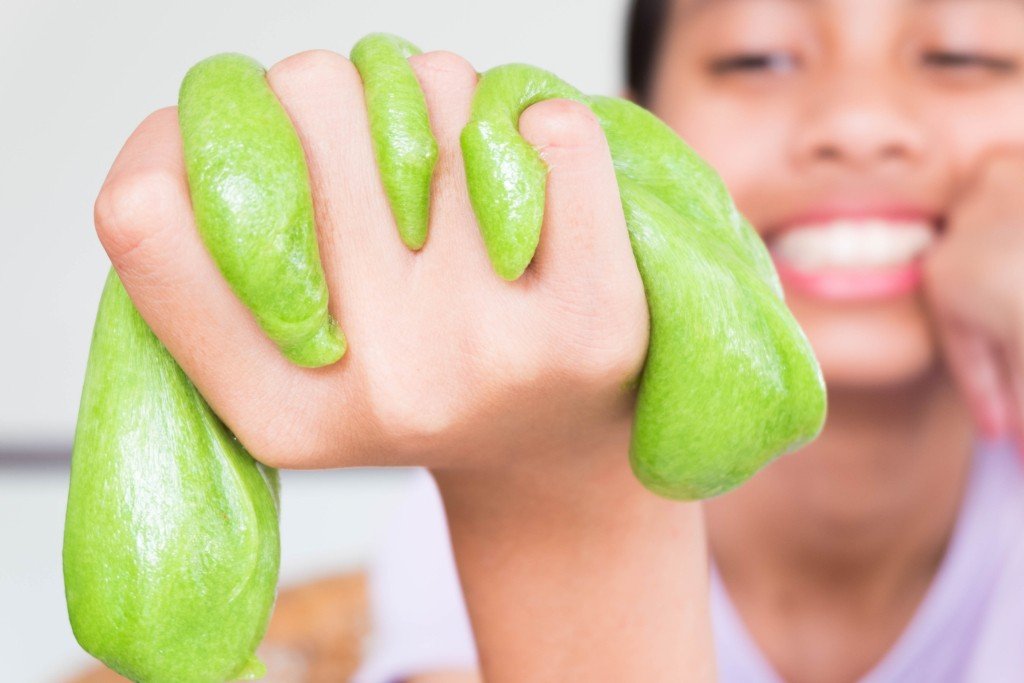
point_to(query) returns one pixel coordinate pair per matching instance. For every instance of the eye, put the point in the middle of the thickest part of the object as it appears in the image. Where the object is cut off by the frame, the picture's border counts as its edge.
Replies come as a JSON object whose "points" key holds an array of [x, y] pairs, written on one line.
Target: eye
{"points": [[754, 62], [965, 61]]}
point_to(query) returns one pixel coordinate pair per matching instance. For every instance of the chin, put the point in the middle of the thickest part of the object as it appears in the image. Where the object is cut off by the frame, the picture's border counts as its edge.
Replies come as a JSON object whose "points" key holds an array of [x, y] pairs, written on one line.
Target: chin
{"points": [[878, 345], [852, 271]]}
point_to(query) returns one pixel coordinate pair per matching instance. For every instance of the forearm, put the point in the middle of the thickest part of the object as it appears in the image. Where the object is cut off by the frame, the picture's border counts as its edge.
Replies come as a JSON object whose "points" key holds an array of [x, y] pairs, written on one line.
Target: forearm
{"points": [[587, 580]]}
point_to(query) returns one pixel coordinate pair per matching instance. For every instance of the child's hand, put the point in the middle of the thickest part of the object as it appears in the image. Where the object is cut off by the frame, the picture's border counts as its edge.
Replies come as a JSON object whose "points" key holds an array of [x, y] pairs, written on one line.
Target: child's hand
{"points": [[516, 395], [975, 282], [448, 365]]}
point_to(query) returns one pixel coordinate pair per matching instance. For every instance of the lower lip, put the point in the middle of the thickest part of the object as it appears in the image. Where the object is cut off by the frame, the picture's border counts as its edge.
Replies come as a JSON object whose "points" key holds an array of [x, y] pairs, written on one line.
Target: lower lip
{"points": [[851, 285]]}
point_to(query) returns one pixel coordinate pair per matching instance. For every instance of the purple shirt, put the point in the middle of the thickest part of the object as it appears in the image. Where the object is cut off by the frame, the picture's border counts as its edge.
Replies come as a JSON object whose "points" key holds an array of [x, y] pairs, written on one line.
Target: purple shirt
{"points": [[969, 627]]}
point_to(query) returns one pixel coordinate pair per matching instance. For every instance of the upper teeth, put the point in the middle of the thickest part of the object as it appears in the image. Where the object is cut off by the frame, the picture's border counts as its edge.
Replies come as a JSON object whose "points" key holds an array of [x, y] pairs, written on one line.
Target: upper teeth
{"points": [[854, 244]]}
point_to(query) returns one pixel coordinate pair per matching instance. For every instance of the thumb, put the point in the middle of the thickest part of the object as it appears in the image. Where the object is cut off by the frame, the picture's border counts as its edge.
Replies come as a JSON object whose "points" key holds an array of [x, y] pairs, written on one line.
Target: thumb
{"points": [[584, 234]]}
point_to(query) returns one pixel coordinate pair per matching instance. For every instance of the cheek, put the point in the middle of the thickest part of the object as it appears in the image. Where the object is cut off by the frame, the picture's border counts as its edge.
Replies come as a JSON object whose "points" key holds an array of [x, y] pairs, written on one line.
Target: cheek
{"points": [[975, 126], [742, 143]]}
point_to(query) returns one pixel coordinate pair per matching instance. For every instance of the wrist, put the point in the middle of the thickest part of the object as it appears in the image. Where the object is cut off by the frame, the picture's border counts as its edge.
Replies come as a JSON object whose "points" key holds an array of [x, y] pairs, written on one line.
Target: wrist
{"points": [[578, 573]]}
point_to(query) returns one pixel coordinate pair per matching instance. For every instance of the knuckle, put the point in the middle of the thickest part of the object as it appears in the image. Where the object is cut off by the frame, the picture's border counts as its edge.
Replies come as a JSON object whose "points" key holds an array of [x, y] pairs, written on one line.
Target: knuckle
{"points": [[1003, 161], [270, 452], [561, 123], [132, 211], [413, 419], [600, 339], [285, 439], [447, 82], [601, 360], [999, 172], [511, 348], [315, 66], [443, 67]]}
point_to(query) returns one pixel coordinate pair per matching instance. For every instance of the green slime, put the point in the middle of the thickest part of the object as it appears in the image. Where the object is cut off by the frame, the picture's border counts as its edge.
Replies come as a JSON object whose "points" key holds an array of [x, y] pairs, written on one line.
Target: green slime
{"points": [[171, 545]]}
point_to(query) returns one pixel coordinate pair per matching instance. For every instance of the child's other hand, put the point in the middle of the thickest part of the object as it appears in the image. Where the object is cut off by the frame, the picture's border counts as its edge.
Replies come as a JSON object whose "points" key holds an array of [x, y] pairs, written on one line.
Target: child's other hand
{"points": [[975, 284]]}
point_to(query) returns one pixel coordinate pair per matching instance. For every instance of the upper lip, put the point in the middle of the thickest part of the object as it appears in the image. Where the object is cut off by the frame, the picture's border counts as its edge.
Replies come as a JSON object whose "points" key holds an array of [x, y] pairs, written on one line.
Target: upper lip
{"points": [[852, 210]]}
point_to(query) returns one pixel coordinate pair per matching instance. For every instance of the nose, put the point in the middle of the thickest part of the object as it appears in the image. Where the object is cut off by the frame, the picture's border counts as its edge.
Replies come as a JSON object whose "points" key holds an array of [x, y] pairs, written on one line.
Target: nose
{"points": [[862, 122]]}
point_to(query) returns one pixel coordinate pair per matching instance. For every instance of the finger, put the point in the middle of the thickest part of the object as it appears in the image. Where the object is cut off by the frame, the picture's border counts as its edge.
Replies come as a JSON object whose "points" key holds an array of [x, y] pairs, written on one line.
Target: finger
{"points": [[144, 220], [359, 243], [505, 175], [250, 194], [976, 368], [1014, 366], [584, 234], [404, 146], [447, 81], [998, 170]]}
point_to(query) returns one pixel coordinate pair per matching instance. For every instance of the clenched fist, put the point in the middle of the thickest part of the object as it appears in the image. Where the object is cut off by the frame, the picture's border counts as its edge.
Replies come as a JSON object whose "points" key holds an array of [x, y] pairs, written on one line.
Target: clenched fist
{"points": [[448, 365]]}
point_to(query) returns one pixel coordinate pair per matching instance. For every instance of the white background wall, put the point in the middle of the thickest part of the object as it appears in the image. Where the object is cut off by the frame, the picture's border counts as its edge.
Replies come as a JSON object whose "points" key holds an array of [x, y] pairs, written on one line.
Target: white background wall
{"points": [[77, 77]]}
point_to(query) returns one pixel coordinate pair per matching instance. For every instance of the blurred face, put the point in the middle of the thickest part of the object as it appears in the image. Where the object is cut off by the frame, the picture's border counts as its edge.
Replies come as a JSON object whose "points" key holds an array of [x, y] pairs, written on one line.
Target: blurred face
{"points": [[845, 130]]}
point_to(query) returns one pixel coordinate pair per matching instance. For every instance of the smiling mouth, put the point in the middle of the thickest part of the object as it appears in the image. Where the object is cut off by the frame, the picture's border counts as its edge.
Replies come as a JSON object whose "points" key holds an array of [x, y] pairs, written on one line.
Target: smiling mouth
{"points": [[853, 258]]}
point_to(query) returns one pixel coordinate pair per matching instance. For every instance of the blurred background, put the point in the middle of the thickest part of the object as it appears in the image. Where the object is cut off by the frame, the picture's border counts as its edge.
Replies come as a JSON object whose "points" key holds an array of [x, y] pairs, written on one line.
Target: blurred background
{"points": [[77, 78]]}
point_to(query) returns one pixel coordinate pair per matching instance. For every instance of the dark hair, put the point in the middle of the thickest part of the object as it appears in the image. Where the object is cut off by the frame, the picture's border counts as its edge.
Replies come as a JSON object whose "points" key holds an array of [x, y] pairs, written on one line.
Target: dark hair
{"points": [[645, 29]]}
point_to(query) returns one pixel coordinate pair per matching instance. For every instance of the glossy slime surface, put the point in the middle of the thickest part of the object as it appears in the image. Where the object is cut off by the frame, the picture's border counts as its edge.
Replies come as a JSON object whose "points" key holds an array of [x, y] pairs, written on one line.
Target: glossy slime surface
{"points": [[171, 541], [171, 545], [400, 127], [254, 210]]}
